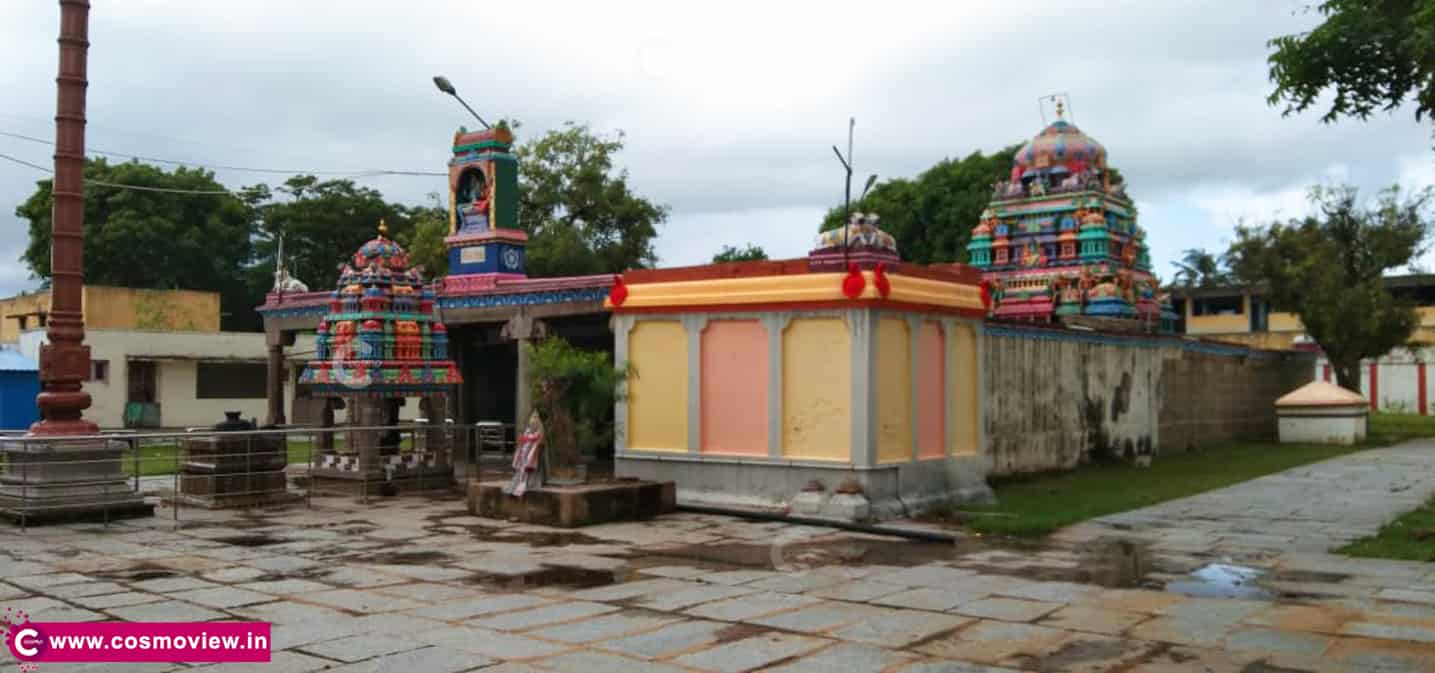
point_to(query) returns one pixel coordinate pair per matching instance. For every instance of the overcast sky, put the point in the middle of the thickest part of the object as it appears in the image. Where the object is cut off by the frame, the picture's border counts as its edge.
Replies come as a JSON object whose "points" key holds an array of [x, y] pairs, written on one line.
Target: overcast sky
{"points": [[729, 108]]}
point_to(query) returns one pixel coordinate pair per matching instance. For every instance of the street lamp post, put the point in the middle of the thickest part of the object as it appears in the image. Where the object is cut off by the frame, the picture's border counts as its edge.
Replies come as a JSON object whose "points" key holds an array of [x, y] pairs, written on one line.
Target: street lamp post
{"points": [[447, 87]]}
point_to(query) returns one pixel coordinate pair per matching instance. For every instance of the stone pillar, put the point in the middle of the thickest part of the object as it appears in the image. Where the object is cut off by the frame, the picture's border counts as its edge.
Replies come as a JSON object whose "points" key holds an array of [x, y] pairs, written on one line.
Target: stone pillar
{"points": [[366, 412], [524, 329], [274, 385], [325, 442]]}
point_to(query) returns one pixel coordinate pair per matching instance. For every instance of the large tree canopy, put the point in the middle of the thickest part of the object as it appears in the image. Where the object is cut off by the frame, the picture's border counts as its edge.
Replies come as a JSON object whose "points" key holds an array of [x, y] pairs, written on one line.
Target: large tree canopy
{"points": [[580, 214], [1368, 55], [323, 222], [156, 239], [1329, 269], [932, 215]]}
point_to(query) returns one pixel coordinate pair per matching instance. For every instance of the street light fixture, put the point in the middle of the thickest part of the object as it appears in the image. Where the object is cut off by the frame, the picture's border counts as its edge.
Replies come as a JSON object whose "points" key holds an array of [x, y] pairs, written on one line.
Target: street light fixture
{"points": [[447, 87]]}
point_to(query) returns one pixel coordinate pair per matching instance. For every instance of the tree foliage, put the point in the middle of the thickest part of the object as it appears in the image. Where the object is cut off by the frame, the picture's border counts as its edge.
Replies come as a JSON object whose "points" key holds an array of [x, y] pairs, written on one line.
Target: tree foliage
{"points": [[1329, 269], [1368, 54], [156, 239], [574, 391], [750, 253], [1199, 268], [424, 240], [932, 215], [323, 222], [578, 209]]}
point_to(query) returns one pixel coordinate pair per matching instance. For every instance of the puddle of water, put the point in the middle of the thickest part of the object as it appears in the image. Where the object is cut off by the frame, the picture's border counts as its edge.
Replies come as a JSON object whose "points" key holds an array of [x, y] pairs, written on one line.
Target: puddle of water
{"points": [[530, 538], [1108, 563], [843, 551], [139, 573], [405, 558], [1221, 580], [550, 576], [259, 540]]}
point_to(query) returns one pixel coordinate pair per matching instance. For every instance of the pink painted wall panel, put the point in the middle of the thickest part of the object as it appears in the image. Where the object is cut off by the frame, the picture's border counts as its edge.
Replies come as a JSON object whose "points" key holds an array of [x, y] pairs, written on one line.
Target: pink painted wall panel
{"points": [[734, 387], [932, 391]]}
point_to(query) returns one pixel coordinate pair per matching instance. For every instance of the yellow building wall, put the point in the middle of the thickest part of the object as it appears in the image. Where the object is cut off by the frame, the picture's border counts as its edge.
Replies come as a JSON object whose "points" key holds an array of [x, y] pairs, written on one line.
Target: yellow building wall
{"points": [[107, 307], [965, 432], [128, 308], [658, 392], [894, 391], [18, 305], [816, 389]]}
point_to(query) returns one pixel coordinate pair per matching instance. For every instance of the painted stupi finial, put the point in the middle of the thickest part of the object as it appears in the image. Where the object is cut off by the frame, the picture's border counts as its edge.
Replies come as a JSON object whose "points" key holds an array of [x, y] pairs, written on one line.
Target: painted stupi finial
{"points": [[1060, 108], [383, 228]]}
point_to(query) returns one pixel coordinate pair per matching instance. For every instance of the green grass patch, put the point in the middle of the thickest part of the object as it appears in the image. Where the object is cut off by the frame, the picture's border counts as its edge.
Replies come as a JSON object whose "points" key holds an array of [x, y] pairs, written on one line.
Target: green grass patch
{"points": [[1040, 504], [158, 459], [1399, 427], [1408, 538]]}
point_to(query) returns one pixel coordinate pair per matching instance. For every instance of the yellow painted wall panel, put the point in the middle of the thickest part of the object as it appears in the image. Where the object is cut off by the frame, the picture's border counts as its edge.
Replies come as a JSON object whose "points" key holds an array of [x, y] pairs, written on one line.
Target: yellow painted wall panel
{"points": [[658, 394], [817, 389], [894, 391], [965, 432]]}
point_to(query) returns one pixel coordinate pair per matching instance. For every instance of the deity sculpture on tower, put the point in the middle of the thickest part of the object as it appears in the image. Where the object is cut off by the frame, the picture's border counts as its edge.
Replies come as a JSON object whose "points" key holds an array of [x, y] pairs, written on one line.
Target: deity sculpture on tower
{"points": [[484, 241]]}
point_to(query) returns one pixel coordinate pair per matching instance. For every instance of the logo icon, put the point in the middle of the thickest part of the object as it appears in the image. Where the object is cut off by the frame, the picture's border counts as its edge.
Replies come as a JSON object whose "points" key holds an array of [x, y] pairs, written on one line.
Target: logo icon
{"points": [[24, 638]]}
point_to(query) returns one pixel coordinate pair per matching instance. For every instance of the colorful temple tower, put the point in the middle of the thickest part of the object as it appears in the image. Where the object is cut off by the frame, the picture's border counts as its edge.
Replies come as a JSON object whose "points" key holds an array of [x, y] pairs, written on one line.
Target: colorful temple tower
{"points": [[484, 242], [1060, 242], [379, 343]]}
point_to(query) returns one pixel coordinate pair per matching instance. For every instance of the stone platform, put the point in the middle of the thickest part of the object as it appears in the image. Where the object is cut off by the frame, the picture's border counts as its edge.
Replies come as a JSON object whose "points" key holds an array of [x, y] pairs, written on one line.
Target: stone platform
{"points": [[574, 506], [61, 481]]}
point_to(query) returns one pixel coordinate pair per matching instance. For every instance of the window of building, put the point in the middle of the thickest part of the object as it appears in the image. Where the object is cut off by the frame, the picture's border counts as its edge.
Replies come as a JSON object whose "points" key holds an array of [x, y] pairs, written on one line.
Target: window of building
{"points": [[99, 371], [1068, 250], [1217, 306], [1001, 255], [230, 381]]}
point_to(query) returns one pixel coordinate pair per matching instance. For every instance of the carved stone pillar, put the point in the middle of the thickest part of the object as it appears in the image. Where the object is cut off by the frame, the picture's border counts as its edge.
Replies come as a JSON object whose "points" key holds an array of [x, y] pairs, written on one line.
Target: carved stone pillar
{"points": [[524, 329]]}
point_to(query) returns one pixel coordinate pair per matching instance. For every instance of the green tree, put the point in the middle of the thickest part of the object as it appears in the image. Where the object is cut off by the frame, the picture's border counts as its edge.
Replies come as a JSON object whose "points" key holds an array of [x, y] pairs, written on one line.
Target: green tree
{"points": [[1201, 268], [1369, 54], [751, 253], [424, 242], [1329, 268], [323, 222], [578, 209], [932, 215], [144, 238], [574, 391]]}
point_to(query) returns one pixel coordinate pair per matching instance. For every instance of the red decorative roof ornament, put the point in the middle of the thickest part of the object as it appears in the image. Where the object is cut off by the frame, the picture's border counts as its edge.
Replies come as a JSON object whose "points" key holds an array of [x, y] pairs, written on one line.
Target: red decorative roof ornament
{"points": [[619, 292], [879, 278], [853, 283]]}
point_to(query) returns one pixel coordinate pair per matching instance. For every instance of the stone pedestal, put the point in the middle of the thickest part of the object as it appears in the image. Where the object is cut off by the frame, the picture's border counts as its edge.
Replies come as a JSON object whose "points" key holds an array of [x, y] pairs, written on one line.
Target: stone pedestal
{"points": [[61, 480], [574, 506], [235, 471]]}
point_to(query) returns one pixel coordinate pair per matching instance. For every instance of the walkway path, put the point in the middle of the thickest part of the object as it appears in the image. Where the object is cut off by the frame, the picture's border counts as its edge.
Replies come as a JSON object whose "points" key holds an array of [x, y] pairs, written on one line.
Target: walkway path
{"points": [[419, 584], [1290, 522]]}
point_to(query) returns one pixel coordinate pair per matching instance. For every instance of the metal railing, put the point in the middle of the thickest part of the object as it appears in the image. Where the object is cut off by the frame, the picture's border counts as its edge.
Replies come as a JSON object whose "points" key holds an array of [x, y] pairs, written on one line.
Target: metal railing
{"points": [[122, 473]]}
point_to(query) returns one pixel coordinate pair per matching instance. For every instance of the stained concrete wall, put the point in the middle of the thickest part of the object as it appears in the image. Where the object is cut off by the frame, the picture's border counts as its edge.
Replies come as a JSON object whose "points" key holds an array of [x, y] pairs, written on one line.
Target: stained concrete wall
{"points": [[1058, 398]]}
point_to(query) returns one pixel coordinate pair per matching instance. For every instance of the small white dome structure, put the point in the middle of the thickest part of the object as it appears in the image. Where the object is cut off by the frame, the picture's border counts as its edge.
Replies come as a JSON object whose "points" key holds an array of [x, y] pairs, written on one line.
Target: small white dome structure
{"points": [[1322, 413]]}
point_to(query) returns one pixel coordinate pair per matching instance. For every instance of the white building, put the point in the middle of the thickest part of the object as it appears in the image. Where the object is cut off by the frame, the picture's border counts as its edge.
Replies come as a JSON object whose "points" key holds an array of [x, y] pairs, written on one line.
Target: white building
{"points": [[176, 379]]}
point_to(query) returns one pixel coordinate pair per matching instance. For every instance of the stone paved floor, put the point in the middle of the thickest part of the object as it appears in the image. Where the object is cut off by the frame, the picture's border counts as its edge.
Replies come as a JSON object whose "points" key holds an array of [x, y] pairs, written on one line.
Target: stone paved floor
{"points": [[417, 584]]}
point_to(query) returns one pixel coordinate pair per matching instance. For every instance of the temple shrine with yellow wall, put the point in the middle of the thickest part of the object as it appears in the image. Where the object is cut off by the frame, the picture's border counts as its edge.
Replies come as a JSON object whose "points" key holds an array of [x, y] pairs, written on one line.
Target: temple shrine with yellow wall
{"points": [[795, 383]]}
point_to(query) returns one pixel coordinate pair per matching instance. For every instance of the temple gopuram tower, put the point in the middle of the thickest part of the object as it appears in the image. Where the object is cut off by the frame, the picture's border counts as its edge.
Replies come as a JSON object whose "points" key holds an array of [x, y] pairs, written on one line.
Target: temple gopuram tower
{"points": [[1059, 241]]}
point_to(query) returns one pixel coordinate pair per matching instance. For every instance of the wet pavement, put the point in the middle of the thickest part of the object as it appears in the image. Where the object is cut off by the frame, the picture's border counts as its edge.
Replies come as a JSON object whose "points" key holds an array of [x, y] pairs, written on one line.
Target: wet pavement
{"points": [[419, 584]]}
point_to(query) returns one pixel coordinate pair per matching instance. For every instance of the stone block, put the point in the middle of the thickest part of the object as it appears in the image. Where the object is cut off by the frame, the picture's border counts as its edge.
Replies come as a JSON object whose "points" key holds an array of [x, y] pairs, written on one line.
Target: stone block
{"points": [[574, 506]]}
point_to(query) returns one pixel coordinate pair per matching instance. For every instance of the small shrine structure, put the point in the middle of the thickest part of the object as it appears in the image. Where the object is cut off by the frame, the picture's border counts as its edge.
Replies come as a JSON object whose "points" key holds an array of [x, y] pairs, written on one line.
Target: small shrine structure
{"points": [[379, 343], [848, 390], [1059, 241]]}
